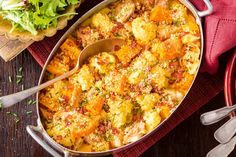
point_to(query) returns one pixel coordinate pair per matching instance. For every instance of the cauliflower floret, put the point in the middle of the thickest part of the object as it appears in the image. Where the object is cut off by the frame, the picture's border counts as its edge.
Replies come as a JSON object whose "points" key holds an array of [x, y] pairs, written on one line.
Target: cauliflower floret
{"points": [[87, 35], [120, 111], [179, 13], [115, 82], [136, 76], [165, 31], [134, 132], [68, 136], [98, 143], [144, 31], [139, 63], [191, 58], [149, 57], [189, 38], [103, 22], [148, 101], [172, 97], [159, 76], [152, 118], [60, 134], [103, 62], [124, 10], [84, 78], [192, 62]]}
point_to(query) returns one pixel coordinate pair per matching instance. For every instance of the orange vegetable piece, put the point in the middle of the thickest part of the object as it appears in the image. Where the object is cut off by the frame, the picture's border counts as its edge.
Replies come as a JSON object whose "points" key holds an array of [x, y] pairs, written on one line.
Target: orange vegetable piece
{"points": [[85, 128], [165, 112], [76, 96], [184, 84], [70, 48], [171, 49], [48, 102], [59, 64], [191, 22], [127, 53], [161, 14], [95, 105]]}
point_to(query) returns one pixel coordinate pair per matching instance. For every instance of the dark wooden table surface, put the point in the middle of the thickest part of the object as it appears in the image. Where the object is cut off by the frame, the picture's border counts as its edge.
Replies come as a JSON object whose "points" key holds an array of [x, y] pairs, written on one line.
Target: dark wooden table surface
{"points": [[189, 139]]}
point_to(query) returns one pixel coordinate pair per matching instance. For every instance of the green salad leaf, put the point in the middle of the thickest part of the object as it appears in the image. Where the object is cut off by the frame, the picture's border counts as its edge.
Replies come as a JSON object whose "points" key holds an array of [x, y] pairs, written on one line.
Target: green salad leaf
{"points": [[34, 15]]}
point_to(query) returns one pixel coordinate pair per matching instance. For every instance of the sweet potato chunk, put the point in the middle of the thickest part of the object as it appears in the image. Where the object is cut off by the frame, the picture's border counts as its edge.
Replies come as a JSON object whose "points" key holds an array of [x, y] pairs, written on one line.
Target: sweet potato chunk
{"points": [[71, 49], [127, 53], [59, 65], [161, 14], [95, 105]]}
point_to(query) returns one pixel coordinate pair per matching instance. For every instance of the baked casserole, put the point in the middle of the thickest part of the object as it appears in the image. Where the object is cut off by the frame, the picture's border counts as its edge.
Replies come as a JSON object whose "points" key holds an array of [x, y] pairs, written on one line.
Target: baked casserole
{"points": [[118, 97]]}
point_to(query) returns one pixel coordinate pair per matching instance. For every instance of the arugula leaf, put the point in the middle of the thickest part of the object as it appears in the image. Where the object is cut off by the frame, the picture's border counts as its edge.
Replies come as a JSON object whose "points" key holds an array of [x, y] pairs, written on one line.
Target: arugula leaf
{"points": [[11, 4], [34, 15], [50, 8], [72, 1], [20, 18]]}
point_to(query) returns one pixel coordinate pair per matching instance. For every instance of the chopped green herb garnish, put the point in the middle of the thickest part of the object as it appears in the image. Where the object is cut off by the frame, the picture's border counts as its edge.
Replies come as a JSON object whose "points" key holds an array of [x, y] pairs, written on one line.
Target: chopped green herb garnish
{"points": [[1, 105], [118, 35], [18, 81], [85, 101], [17, 120], [22, 87], [19, 76], [29, 112], [29, 102], [34, 102], [14, 114], [20, 69], [10, 79], [105, 107]]}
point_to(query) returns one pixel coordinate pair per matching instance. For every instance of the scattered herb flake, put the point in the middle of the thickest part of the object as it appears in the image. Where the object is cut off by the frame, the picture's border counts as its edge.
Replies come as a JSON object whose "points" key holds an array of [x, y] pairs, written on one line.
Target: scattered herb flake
{"points": [[19, 76], [17, 120], [10, 79], [29, 102], [1, 104], [14, 114], [20, 69], [29, 112], [22, 87], [34, 102], [18, 81]]}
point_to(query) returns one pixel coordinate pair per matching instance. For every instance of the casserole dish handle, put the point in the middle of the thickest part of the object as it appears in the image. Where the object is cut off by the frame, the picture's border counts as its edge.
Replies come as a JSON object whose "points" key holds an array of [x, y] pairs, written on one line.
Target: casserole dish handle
{"points": [[205, 12], [32, 130], [229, 81]]}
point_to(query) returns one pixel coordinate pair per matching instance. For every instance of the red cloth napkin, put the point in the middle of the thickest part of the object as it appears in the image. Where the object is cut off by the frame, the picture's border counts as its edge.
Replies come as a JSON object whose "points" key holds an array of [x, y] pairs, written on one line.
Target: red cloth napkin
{"points": [[220, 36], [219, 31]]}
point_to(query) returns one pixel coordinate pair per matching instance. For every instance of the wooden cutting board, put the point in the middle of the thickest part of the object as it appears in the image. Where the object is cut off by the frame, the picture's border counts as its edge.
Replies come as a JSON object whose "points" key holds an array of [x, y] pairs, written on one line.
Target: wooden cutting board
{"points": [[11, 48]]}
